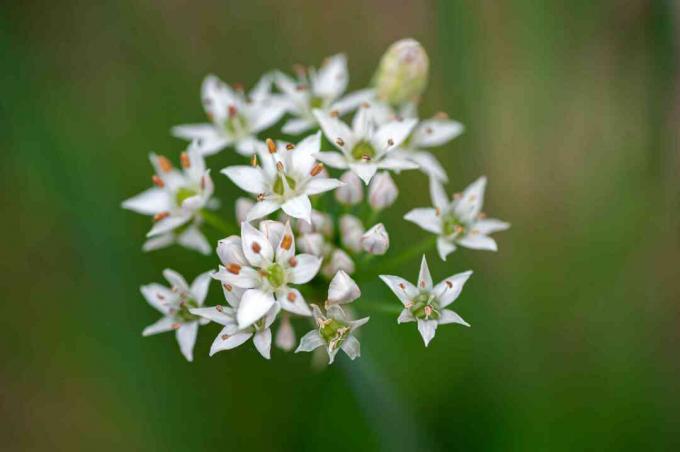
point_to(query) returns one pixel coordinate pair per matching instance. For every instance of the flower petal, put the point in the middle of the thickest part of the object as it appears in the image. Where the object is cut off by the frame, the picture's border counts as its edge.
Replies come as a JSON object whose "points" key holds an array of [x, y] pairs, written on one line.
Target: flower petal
{"points": [[352, 101], [352, 347], [444, 247], [392, 134], [186, 338], [298, 207], [168, 224], [291, 300], [199, 288], [194, 239], [332, 159], [427, 328], [246, 178], [256, 247], [263, 342], [158, 242], [406, 316], [331, 78], [321, 185], [333, 128], [478, 242], [396, 163], [230, 251], [489, 226], [254, 304], [403, 289], [285, 246], [244, 277], [149, 202], [226, 341], [296, 126], [222, 315], [159, 297], [447, 316], [436, 132], [261, 209], [438, 195], [467, 208], [449, 289], [426, 218], [429, 165], [342, 289], [424, 278], [161, 326], [307, 267], [310, 341], [176, 280], [205, 131], [365, 171]]}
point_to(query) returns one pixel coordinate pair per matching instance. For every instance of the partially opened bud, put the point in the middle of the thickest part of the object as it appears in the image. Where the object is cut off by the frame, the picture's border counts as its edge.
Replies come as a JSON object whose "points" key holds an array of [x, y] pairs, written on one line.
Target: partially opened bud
{"points": [[351, 231], [243, 206], [352, 192], [342, 289], [402, 74], [339, 261], [376, 240], [382, 192], [285, 336]]}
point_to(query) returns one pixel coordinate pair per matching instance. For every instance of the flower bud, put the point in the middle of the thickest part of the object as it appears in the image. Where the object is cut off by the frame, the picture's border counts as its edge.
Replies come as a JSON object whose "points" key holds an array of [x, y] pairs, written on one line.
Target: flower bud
{"points": [[243, 206], [376, 240], [321, 222], [313, 243], [382, 192], [351, 231], [342, 289], [285, 336], [352, 192], [339, 261], [402, 74]]}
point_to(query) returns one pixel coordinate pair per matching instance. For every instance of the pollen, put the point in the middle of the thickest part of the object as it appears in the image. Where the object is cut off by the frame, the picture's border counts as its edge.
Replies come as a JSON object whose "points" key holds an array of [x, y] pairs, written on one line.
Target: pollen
{"points": [[234, 269], [175, 326], [232, 111], [157, 181], [365, 105], [271, 145], [225, 337], [184, 158], [422, 284], [428, 310], [290, 146], [161, 215], [366, 158], [449, 284], [402, 286], [287, 241], [239, 86], [253, 161], [260, 197], [164, 163], [334, 113], [227, 287], [293, 261], [219, 308], [316, 169], [292, 296], [340, 142], [256, 248], [437, 211], [390, 142], [457, 196]]}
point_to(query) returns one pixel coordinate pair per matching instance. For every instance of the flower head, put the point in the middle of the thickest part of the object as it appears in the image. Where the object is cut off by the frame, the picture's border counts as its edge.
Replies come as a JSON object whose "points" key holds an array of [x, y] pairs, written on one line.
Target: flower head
{"points": [[235, 118], [263, 263], [176, 200], [287, 177], [425, 303], [318, 89], [459, 221], [176, 303], [335, 329], [366, 147]]}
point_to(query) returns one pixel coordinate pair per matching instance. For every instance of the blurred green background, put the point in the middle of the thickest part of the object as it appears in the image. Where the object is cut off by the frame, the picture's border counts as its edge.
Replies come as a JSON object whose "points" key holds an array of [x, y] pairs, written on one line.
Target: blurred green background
{"points": [[572, 110]]}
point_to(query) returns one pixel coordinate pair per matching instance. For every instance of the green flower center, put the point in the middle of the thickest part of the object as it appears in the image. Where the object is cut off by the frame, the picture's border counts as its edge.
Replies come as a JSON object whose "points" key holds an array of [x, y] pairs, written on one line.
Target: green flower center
{"points": [[279, 188], [183, 194], [452, 225], [362, 150], [334, 332], [183, 313], [316, 102], [425, 307], [276, 275], [236, 125]]}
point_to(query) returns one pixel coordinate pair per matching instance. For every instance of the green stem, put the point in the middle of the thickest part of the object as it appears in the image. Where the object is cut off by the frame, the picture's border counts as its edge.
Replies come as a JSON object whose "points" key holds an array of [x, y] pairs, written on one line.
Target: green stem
{"points": [[372, 218], [217, 223], [381, 308]]}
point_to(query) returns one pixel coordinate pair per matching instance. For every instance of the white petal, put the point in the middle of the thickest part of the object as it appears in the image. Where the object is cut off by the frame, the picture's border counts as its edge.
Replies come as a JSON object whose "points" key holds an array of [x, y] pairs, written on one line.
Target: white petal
{"points": [[230, 251], [478, 242], [263, 342], [467, 208], [216, 97], [302, 159], [361, 124], [159, 297], [273, 230], [285, 336], [444, 247], [426, 218], [199, 288], [429, 165], [307, 267], [403, 289], [394, 132], [161, 326], [365, 171], [436, 132], [285, 245], [332, 159], [262, 89], [438, 195], [297, 126], [176, 280], [331, 79], [186, 338], [261, 209], [449, 289], [352, 101], [167, 224], [352, 347], [342, 289], [226, 341], [256, 247], [310, 341], [489, 226], [247, 146], [194, 239], [424, 278], [212, 146], [204, 131], [222, 315], [451, 317], [266, 115], [246, 178], [406, 316], [149, 202], [395, 163], [254, 304], [291, 300], [298, 207], [321, 185], [244, 277], [427, 328], [158, 242], [333, 128]]}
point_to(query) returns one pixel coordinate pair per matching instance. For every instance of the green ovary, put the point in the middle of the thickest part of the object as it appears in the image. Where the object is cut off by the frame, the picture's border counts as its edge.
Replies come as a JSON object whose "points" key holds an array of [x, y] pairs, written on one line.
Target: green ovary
{"points": [[316, 102], [183, 313], [334, 332], [183, 194], [235, 125], [452, 225], [279, 188], [420, 307], [276, 275], [362, 150]]}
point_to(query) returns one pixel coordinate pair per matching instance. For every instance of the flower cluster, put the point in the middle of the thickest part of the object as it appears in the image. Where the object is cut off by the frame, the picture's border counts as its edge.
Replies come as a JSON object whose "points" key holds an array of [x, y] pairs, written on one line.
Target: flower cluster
{"points": [[308, 225]]}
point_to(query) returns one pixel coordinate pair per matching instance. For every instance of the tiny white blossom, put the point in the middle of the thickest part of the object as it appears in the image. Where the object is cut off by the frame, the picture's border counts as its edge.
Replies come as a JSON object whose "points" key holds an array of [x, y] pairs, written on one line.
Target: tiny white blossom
{"points": [[264, 263], [236, 118], [351, 231], [366, 147], [289, 175], [460, 221], [175, 303], [321, 90], [376, 240], [176, 201], [334, 328], [352, 192], [382, 192], [425, 303]]}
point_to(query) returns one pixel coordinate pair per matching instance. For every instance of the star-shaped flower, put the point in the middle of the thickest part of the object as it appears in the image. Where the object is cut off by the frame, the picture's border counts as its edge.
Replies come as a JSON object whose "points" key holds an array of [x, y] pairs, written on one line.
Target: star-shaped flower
{"points": [[426, 304], [176, 201], [236, 118], [365, 148], [334, 328], [289, 175], [175, 304], [263, 263], [460, 221], [318, 90]]}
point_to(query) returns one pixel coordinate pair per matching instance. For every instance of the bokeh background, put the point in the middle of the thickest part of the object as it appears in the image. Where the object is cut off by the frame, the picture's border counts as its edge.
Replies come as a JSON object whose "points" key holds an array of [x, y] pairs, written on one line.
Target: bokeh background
{"points": [[572, 109]]}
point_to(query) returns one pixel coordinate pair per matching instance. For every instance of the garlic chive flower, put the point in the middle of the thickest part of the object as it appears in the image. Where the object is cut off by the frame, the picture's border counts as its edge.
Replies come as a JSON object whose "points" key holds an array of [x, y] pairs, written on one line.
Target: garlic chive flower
{"points": [[287, 177], [263, 263], [175, 303], [459, 221], [235, 118], [334, 329], [426, 304], [318, 89], [175, 201], [366, 147]]}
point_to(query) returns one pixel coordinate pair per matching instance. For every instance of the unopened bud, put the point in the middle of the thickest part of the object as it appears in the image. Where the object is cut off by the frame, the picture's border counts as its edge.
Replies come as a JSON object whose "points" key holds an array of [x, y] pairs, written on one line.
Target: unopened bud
{"points": [[402, 74], [342, 289], [376, 240], [243, 206], [313, 243], [338, 261], [382, 192], [351, 231], [321, 223], [285, 336], [352, 192]]}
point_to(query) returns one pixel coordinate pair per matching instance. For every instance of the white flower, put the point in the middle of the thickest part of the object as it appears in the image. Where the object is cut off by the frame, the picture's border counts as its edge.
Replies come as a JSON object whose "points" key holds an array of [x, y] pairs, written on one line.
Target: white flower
{"points": [[460, 221], [318, 90], [426, 304], [352, 192], [365, 148], [382, 192], [288, 176], [351, 231], [175, 303], [236, 118], [263, 262], [376, 240], [176, 200], [232, 335], [334, 328]]}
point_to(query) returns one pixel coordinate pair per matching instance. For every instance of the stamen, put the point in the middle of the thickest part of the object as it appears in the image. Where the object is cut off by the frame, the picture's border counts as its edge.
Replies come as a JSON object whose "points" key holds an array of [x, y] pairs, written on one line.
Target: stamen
{"points": [[234, 269], [175, 326], [429, 130], [253, 160], [340, 142], [441, 115], [238, 86], [184, 158], [225, 337], [428, 310], [458, 229], [290, 146], [334, 113], [402, 286], [457, 196], [449, 284], [157, 181], [437, 211], [366, 157], [160, 297], [365, 105], [256, 248], [164, 163], [287, 241], [279, 166], [292, 296], [219, 308], [232, 111], [316, 169], [260, 197], [481, 215], [202, 182], [271, 145], [300, 87], [422, 284], [161, 215], [390, 142], [227, 287], [293, 261]]}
